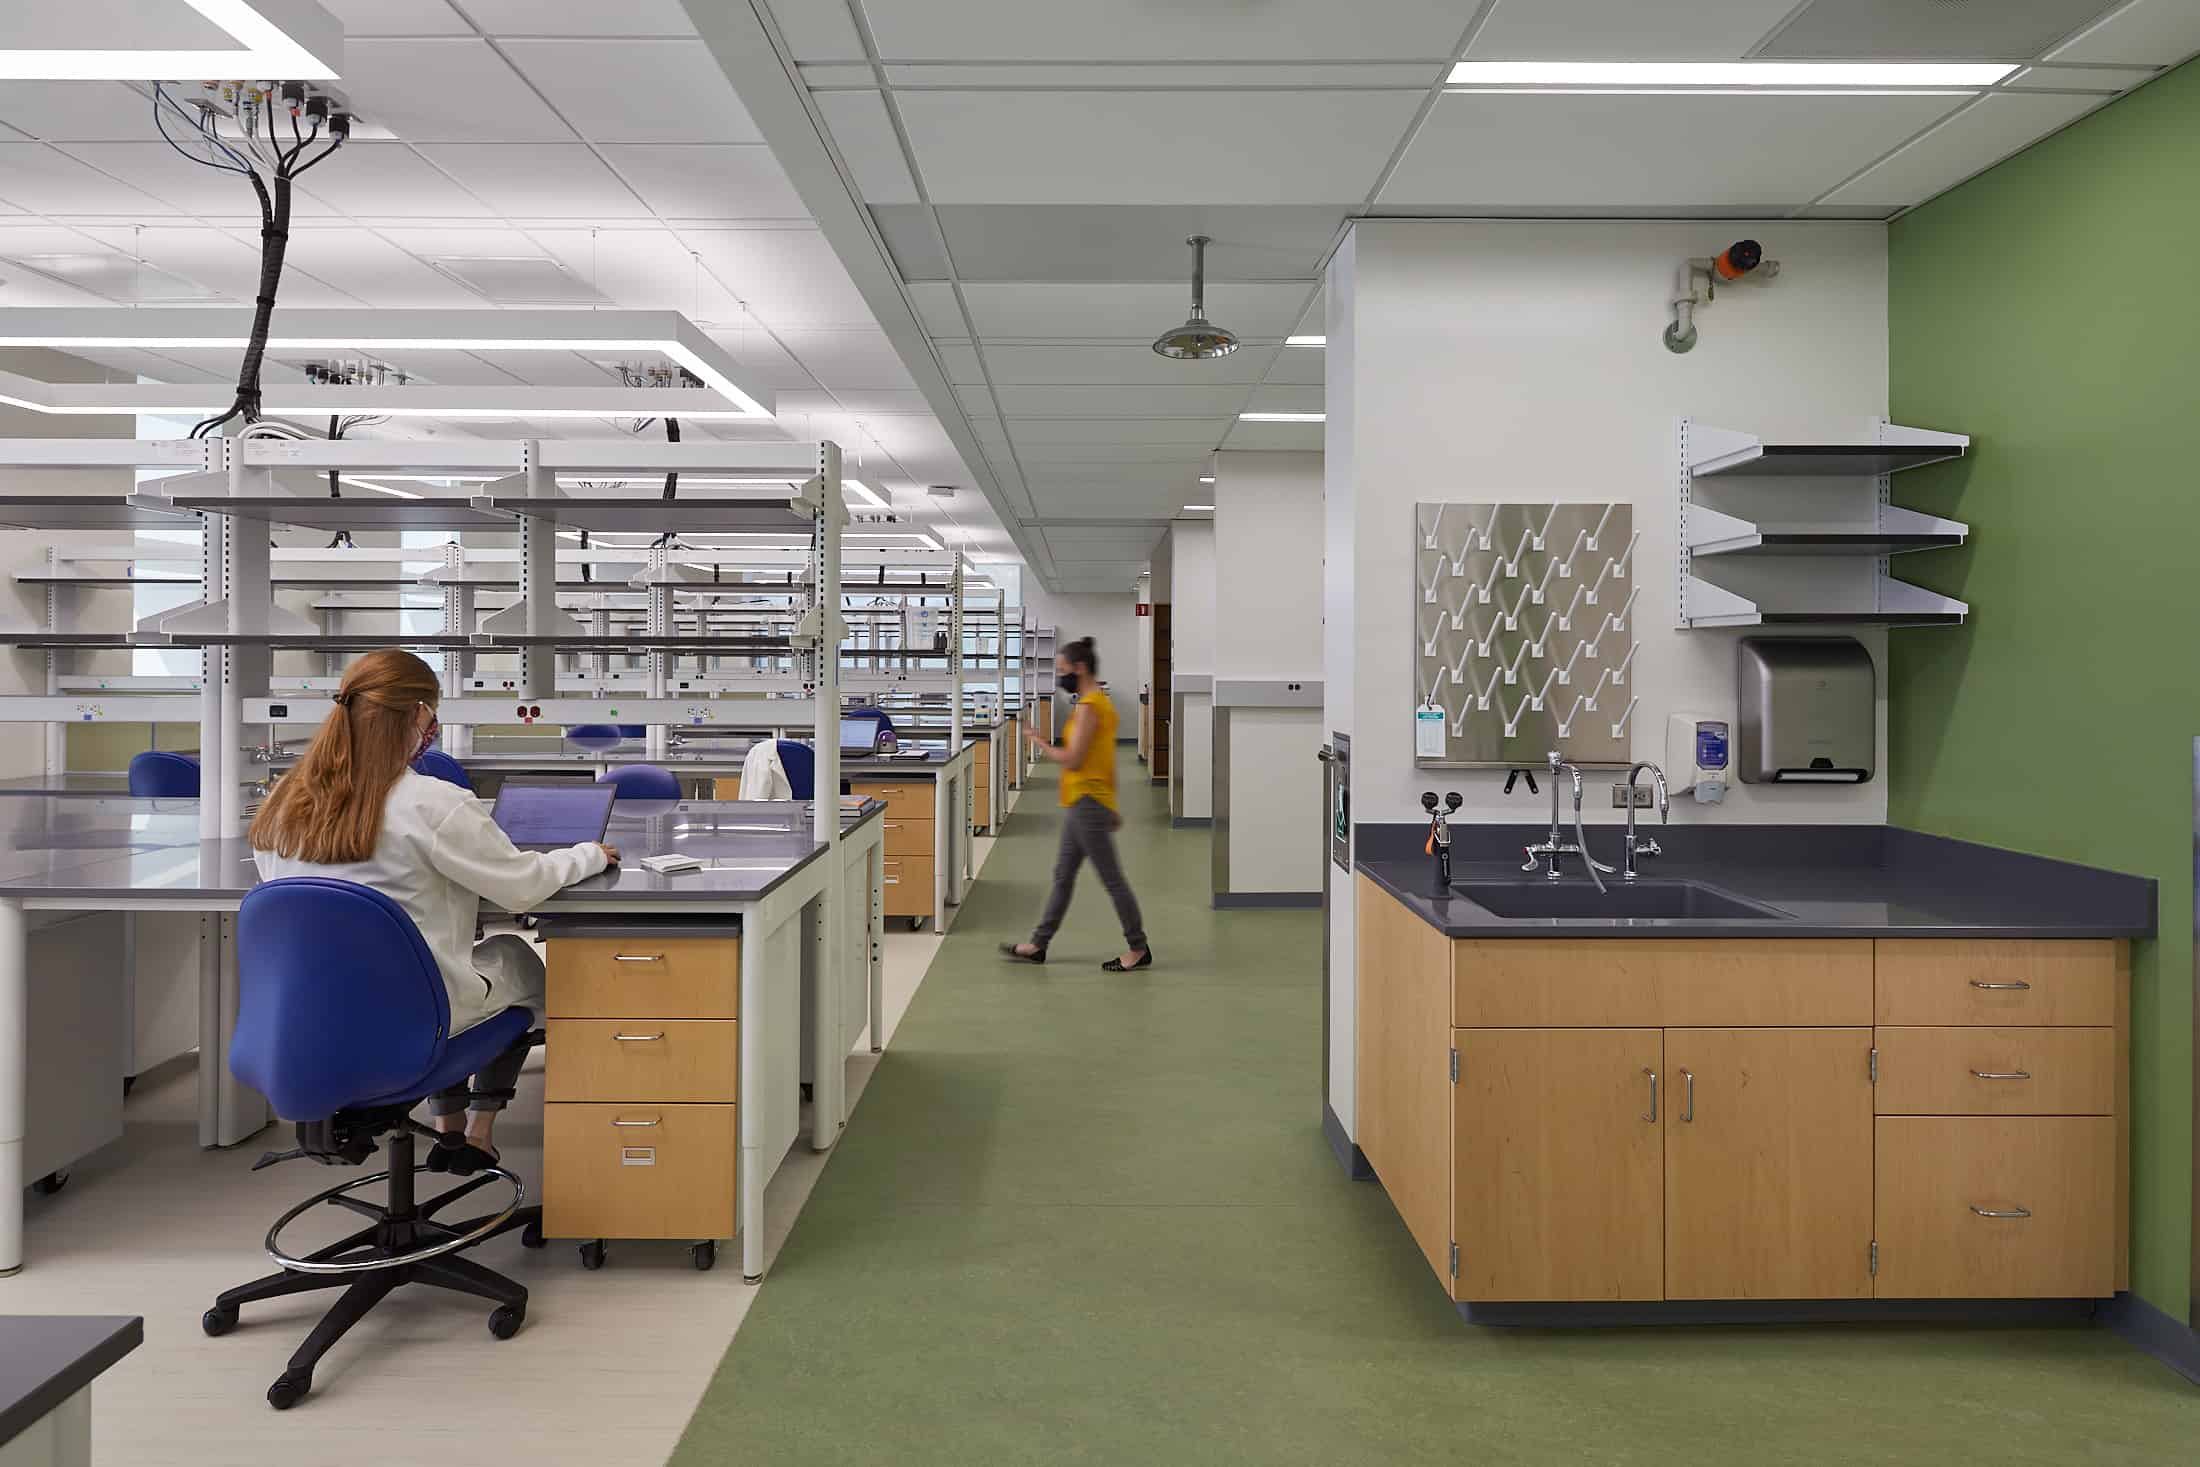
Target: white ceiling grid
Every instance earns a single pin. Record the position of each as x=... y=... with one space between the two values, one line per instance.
x=601 y=137
x=1028 y=173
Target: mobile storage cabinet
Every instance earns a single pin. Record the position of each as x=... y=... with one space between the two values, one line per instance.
x=909 y=835
x=640 y=1125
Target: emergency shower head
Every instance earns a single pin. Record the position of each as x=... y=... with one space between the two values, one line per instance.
x=1198 y=339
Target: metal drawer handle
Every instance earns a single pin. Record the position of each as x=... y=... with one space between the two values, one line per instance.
x=1688 y=1096
x=636 y=1038
x=2001 y=1074
x=1977 y=983
x=1653 y=1074
x=658 y=1121
x=2001 y=1211
x=637 y=957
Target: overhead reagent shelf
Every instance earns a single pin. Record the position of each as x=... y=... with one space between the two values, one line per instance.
x=1801 y=533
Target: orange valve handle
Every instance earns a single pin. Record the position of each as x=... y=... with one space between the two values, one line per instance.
x=1738 y=259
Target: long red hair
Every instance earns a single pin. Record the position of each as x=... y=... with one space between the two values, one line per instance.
x=328 y=810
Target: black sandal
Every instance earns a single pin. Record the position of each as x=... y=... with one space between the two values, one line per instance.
x=466 y=1158
x=1115 y=965
x=1012 y=950
x=439 y=1154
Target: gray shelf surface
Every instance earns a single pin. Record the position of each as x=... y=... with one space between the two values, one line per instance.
x=1814 y=542
x=643 y=516
x=90 y=512
x=309 y=513
x=1796 y=460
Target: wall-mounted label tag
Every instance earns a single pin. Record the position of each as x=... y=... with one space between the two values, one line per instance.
x=1428 y=732
x=637 y=1156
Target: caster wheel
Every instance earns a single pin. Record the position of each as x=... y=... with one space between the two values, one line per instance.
x=218 y=1321
x=705 y=1255
x=592 y=1255
x=504 y=1321
x=809 y=1091
x=531 y=1236
x=50 y=1183
x=289 y=1389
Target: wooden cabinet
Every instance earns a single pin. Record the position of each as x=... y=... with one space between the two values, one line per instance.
x=1768 y=1164
x=1557 y=1170
x=908 y=882
x=1841 y=1119
x=642 y=1084
x=904 y=799
x=981 y=784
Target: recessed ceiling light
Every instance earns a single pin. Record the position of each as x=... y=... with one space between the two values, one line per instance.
x=294 y=40
x=1306 y=341
x=1732 y=75
x=1199 y=506
x=1283 y=417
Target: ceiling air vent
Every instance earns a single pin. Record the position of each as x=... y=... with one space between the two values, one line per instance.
x=117 y=277
x=518 y=280
x=1928 y=30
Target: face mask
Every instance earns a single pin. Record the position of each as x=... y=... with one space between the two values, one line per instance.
x=427 y=738
x=1067 y=682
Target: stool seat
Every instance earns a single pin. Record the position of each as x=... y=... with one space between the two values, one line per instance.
x=463 y=1054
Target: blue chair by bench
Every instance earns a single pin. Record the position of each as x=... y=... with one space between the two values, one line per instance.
x=436 y=764
x=159 y=775
x=642 y=782
x=800 y=763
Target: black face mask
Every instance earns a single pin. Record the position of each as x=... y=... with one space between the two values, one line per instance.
x=1067 y=682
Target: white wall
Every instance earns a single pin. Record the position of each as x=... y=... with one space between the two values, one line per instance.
x=1192 y=666
x=1339 y=623
x=1516 y=359
x=1268 y=552
x=1111 y=623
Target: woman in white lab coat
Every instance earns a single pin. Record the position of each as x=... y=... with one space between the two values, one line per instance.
x=354 y=809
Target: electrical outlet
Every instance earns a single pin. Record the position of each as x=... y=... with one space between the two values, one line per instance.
x=1645 y=796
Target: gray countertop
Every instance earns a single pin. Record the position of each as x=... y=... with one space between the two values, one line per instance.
x=47 y=1358
x=1830 y=881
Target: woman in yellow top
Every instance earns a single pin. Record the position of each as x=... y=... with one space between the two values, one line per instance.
x=1091 y=817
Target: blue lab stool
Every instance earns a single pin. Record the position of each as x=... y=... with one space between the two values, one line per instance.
x=642 y=782
x=800 y=763
x=436 y=764
x=159 y=775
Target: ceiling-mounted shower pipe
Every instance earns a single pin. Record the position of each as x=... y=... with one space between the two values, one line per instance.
x=1744 y=258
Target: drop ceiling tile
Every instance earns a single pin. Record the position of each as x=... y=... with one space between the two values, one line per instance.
x=936 y=308
x=1203 y=432
x=866 y=402
x=175 y=181
x=762 y=358
x=1126 y=313
x=580 y=17
x=536 y=180
x=446 y=91
x=1285 y=398
x=1182 y=401
x=1045 y=480
x=1903 y=30
x=1069 y=365
x=373 y=269
x=42 y=180
x=1554 y=30
x=817 y=30
x=1043 y=458
x=1968 y=143
x=1298 y=366
x=708 y=180
x=640 y=269
x=2146 y=33
x=384 y=180
x=866 y=139
x=1290 y=437
x=1135 y=241
x=629 y=91
x=75 y=111
x=2079 y=78
x=837 y=76
x=849 y=359
x=789 y=278
x=1154 y=147
x=1661 y=152
x=158 y=26
x=362 y=18
x=1139 y=30
x=209 y=258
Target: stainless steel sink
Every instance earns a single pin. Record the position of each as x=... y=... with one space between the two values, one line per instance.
x=1578 y=898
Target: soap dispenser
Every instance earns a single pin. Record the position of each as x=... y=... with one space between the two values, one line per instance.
x=1698 y=752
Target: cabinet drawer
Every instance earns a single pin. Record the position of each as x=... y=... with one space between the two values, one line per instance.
x=1987 y=1207
x=911 y=798
x=695 y=1060
x=1921 y=981
x=907 y=837
x=1996 y=1072
x=1655 y=984
x=639 y=1171
x=908 y=886
x=619 y=977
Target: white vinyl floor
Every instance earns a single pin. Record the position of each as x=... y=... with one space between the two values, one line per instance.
x=605 y=1373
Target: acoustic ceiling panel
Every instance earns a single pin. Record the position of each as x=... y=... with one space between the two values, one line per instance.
x=2145 y=33
x=1973 y=140
x=1929 y=30
x=1170 y=30
x=1556 y=30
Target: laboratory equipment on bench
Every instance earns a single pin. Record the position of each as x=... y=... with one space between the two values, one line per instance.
x=1698 y=753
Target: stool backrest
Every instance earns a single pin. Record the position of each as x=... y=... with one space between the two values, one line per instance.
x=800 y=763
x=642 y=782
x=878 y=714
x=438 y=765
x=339 y=1000
x=159 y=774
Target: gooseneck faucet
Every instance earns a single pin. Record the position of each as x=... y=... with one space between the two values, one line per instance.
x=1648 y=847
x=1556 y=844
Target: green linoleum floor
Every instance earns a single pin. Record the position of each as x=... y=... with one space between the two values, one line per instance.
x=1087 y=1218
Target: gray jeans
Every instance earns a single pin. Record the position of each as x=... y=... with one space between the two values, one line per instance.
x=1087 y=835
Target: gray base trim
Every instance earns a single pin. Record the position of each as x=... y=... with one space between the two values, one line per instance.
x=2161 y=1335
x=1350 y=1157
x=1291 y=899
x=1784 y=1311
x=1190 y=822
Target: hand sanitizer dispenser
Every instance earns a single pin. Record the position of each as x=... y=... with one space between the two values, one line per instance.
x=1697 y=754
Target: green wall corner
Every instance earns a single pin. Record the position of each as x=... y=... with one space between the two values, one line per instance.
x=2050 y=308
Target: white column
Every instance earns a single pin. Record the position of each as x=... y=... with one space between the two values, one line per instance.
x=538 y=583
x=1192 y=668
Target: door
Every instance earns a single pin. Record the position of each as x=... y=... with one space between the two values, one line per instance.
x=1556 y=1165
x=1768 y=1164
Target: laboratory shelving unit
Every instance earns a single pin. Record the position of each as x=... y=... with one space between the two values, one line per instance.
x=1801 y=534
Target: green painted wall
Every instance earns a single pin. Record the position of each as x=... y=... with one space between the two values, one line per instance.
x=2051 y=309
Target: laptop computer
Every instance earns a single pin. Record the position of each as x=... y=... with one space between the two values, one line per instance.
x=859 y=737
x=550 y=814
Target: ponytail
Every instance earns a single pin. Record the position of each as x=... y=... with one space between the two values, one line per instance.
x=328 y=810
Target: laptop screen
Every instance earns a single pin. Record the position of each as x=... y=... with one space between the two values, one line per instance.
x=555 y=813
x=859 y=735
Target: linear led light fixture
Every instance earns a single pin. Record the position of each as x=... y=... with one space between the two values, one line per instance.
x=188 y=328
x=1306 y=341
x=1207 y=507
x=1737 y=76
x=282 y=40
x=1283 y=417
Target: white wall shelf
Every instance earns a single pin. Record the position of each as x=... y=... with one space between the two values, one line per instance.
x=1799 y=534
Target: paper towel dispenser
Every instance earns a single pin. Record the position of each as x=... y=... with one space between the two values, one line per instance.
x=1807 y=711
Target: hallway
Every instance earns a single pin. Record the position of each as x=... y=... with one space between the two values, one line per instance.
x=1090 y=1218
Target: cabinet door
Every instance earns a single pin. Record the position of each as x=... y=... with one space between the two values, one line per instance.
x=1556 y=1164
x=1768 y=1164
